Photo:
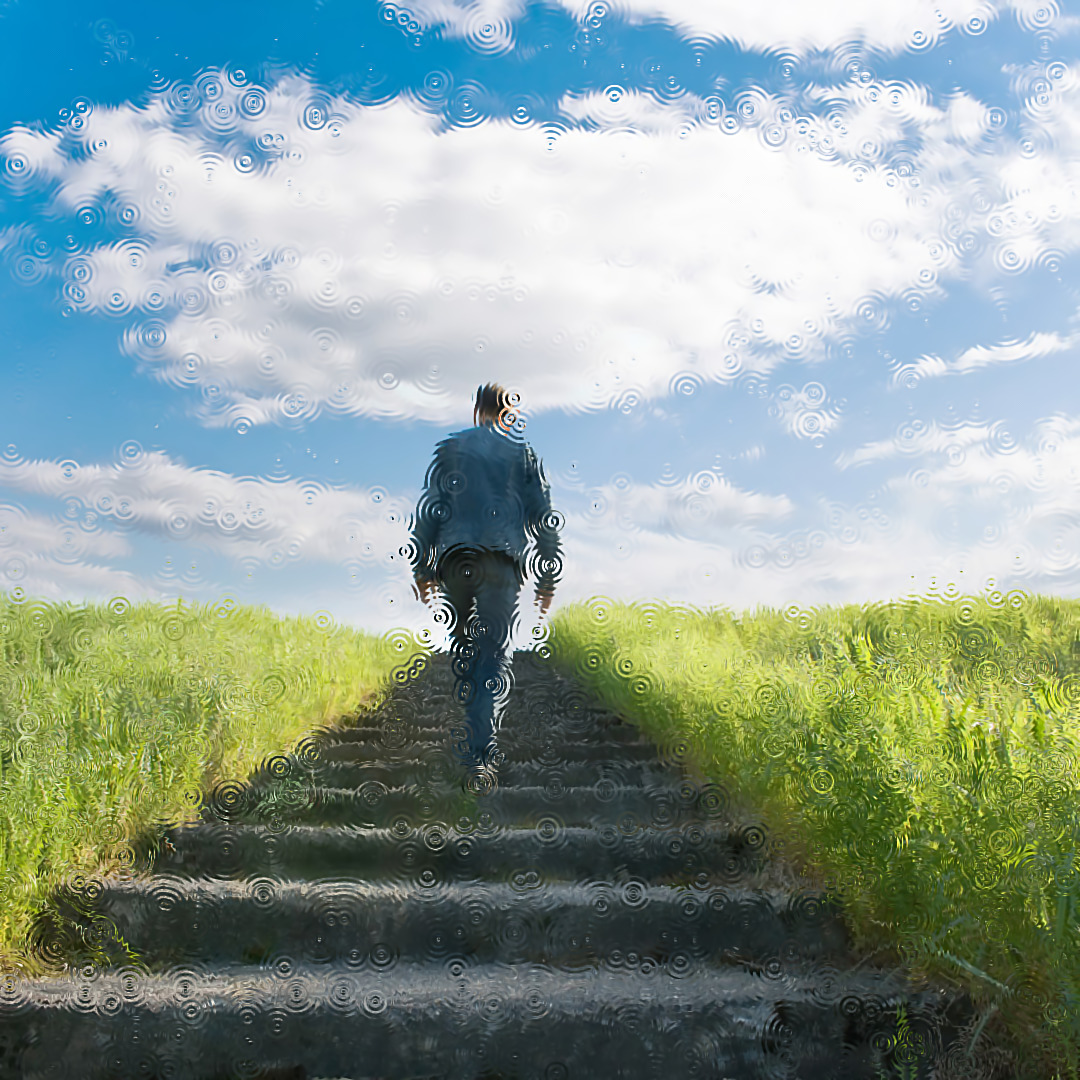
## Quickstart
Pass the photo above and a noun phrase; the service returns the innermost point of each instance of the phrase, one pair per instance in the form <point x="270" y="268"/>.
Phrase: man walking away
<point x="485" y="498"/>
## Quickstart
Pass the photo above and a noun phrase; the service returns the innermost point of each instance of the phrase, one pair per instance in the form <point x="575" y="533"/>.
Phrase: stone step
<point x="555" y="753"/>
<point x="565" y="925"/>
<point x="518" y="716"/>
<point x="375" y="804"/>
<point x="515" y="724"/>
<point x="408" y="851"/>
<point x="419" y="772"/>
<point x="467" y="1020"/>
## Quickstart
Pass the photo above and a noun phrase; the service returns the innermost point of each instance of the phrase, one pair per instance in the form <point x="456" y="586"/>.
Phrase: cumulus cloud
<point x="287" y="252"/>
<point x="1034" y="347"/>
<point x="790" y="24"/>
<point x="704" y="507"/>
<point x="852" y="557"/>
<point x="270" y="521"/>
<point x="90" y="546"/>
<point x="1037" y="476"/>
<point x="57" y="558"/>
<point x="976" y="495"/>
<point x="149" y="526"/>
<point x="975" y="506"/>
<point x="932" y="441"/>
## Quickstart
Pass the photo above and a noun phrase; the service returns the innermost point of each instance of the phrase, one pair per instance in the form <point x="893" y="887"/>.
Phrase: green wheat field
<point x="921" y="757"/>
<point x="117" y="718"/>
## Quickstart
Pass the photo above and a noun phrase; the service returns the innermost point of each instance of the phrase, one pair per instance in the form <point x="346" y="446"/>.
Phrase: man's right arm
<point x="425" y="528"/>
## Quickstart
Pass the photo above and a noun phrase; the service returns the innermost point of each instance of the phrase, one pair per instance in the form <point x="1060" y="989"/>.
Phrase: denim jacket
<point x="486" y="491"/>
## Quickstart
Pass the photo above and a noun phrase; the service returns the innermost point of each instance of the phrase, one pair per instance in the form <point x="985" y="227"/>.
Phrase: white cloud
<point x="790" y="24"/>
<point x="616" y="109"/>
<point x="1035" y="346"/>
<point x="88" y="546"/>
<point x="295" y="252"/>
<point x="976" y="506"/>
<point x="811" y="26"/>
<point x="146" y="526"/>
<point x="1037" y="477"/>
<point x="270" y="521"/>
<point x="371" y="261"/>
<point x="928" y="439"/>
<point x="853" y="558"/>
<point x="377" y="264"/>
<point x="57" y="559"/>
<point x="705" y="507"/>
<point x="976" y="497"/>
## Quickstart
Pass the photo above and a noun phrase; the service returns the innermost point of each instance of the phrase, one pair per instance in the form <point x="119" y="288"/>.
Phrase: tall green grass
<point x="116" y="719"/>
<point x="922" y="757"/>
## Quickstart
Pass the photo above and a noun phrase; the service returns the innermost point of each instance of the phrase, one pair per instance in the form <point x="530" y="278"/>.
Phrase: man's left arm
<point x="543" y="524"/>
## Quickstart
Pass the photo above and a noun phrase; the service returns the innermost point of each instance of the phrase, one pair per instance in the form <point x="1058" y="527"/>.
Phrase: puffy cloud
<point x="928" y="439"/>
<point x="1036" y="477"/>
<point x="273" y="522"/>
<point x="702" y="506"/>
<point x="288" y="252"/>
<point x="148" y="526"/>
<point x="854" y="556"/>
<point x="803" y="27"/>
<point x="629" y="539"/>
<point x="976" y="504"/>
<point x="1034" y="347"/>
<point x="57" y="559"/>
<point x="790" y="24"/>
<point x="977" y="495"/>
<point x="976" y="508"/>
<point x="291" y="252"/>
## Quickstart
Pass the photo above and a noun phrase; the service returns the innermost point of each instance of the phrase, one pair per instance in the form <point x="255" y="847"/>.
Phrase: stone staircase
<point x="353" y="912"/>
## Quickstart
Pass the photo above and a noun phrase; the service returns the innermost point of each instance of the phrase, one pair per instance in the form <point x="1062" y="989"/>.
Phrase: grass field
<point x="116" y="718"/>
<point x="922" y="757"/>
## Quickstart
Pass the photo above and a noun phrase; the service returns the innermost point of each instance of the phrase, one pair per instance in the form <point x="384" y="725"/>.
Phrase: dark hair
<point x="491" y="401"/>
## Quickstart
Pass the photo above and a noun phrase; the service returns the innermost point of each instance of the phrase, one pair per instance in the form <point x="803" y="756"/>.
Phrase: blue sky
<point x="788" y="290"/>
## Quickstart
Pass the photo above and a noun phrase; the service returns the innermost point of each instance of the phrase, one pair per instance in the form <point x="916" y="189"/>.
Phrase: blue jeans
<point x="482" y="589"/>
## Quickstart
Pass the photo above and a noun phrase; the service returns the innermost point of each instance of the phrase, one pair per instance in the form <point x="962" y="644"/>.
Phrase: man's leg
<point x="481" y="589"/>
<point x="490" y="631"/>
<point x="457" y="580"/>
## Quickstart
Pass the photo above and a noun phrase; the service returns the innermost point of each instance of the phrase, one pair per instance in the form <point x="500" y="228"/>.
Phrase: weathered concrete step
<point x="432" y="713"/>
<point x="375" y="804"/>
<point x="394" y="748"/>
<point x="419" y="771"/>
<point x="513" y="727"/>
<point x="538" y="682"/>
<point x="408" y="853"/>
<point x="565" y="925"/>
<point x="460" y="1020"/>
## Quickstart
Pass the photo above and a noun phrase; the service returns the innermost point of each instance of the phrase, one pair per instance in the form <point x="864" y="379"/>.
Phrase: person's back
<point x="485" y="490"/>
<point x="485" y="498"/>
